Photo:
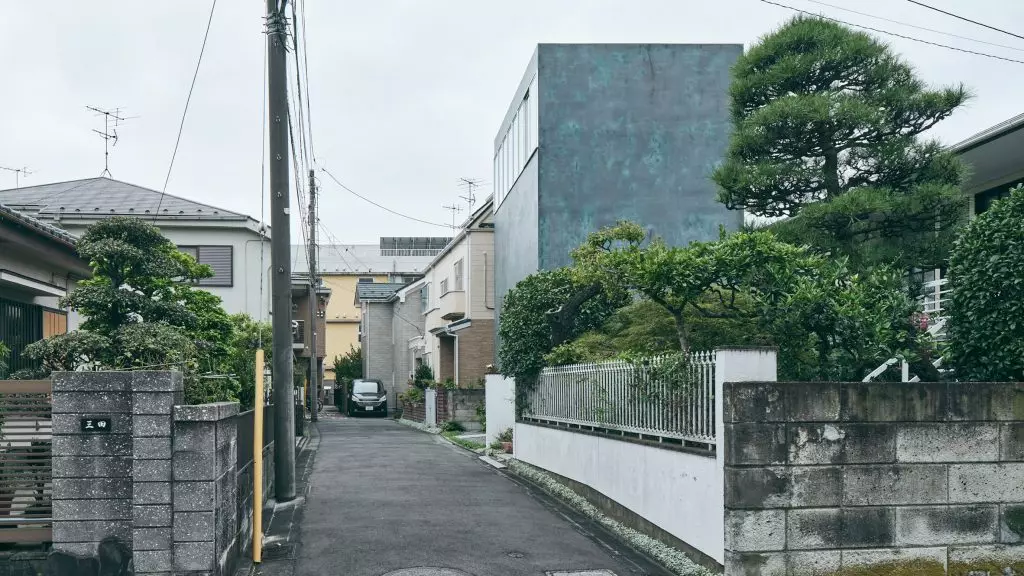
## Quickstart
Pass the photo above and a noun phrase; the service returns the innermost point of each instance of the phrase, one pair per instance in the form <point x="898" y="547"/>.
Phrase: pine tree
<point x="827" y="125"/>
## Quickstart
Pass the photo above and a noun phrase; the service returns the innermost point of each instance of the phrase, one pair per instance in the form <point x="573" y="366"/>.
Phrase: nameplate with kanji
<point x="96" y="425"/>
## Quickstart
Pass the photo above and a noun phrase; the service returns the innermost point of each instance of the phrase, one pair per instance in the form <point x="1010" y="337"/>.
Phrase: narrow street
<point x="388" y="499"/>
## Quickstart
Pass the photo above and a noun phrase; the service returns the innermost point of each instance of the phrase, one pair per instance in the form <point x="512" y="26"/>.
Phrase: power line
<point x="923" y="5"/>
<point x="884" y="19"/>
<point x="822" y="16"/>
<point x="184" y="113"/>
<point x="305" y="68"/>
<point x="385" y="208"/>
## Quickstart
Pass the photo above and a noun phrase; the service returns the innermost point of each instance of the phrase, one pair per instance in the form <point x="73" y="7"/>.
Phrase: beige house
<point x="456" y="299"/>
<point x="343" y="267"/>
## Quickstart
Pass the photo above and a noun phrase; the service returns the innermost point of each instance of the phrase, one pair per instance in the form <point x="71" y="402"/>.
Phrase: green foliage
<point x="452" y="426"/>
<point x="241" y="358"/>
<point x="349" y="366"/>
<point x="527" y="325"/>
<point x="734" y="270"/>
<point x="464" y="442"/>
<point x="423" y="375"/>
<point x="68" y="352"/>
<point x="821" y="112"/>
<point x="481" y="415"/>
<point x="986" y="312"/>
<point x="413" y="395"/>
<point x="142" y="309"/>
<point x="505" y="435"/>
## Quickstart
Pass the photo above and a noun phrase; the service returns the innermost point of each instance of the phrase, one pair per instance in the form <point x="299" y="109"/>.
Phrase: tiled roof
<point x="358" y="259"/>
<point x="98" y="197"/>
<point x="48" y="230"/>
<point x="376" y="291"/>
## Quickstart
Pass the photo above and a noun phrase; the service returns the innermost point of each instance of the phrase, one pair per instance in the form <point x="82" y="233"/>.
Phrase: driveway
<point x="385" y="498"/>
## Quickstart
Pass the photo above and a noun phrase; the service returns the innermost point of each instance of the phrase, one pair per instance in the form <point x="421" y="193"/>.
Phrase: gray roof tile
<point x="96" y="197"/>
<point x="376" y="291"/>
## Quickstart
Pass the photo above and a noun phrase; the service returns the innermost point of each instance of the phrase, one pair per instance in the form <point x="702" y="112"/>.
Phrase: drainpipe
<point x="486" y="291"/>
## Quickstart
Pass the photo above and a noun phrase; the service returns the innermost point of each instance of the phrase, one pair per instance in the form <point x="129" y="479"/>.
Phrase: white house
<point x="229" y="242"/>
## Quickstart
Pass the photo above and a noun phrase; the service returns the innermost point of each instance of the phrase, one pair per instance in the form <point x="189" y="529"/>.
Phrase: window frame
<point x="458" y="272"/>
<point x="214" y="281"/>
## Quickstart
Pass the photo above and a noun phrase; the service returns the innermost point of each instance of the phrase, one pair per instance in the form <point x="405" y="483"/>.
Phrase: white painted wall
<point x="500" y="403"/>
<point x="679" y="492"/>
<point x="244" y="294"/>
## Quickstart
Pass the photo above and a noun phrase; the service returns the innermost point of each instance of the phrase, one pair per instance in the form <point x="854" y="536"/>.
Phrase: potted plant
<point x="505" y="438"/>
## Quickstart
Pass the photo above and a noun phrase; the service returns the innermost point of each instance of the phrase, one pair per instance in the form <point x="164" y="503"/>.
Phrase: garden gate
<point x="25" y="461"/>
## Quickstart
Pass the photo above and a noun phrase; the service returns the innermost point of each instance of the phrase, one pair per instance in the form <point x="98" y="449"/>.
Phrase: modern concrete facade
<point x="600" y="133"/>
<point x="996" y="159"/>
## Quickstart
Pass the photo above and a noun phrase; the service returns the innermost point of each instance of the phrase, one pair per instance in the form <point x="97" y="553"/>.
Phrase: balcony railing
<point x="298" y="334"/>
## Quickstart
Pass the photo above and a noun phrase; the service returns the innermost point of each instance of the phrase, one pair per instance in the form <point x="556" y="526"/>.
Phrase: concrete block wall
<point x="462" y="405"/>
<point x="205" y="488"/>
<point x="874" y="478"/>
<point x="114" y="487"/>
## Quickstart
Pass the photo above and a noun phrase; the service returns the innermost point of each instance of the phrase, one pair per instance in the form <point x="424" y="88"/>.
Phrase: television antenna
<point x="17" y="173"/>
<point x="470" y="184"/>
<point x="454" y="209"/>
<point x="112" y="119"/>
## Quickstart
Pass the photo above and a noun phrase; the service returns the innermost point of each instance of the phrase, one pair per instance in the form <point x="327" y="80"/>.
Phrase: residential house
<point x="601" y="133"/>
<point x="303" y="328"/>
<point x="38" y="266"/>
<point x="444" y="320"/>
<point x="457" y="301"/>
<point x="343" y="266"/>
<point x="391" y="329"/>
<point x="996" y="158"/>
<point x="233" y="244"/>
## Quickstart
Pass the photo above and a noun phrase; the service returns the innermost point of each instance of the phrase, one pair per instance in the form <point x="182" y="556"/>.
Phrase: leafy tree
<point x="527" y="333"/>
<point x="731" y="271"/>
<point x="826" y="129"/>
<point x="68" y="352"/>
<point x="248" y="334"/>
<point x="986" y="312"/>
<point x="349" y="366"/>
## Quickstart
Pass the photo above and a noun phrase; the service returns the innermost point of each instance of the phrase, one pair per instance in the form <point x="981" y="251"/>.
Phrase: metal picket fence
<point x="664" y="397"/>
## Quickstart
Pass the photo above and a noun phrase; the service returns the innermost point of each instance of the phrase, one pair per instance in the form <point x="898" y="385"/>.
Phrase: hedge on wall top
<point x="986" y="331"/>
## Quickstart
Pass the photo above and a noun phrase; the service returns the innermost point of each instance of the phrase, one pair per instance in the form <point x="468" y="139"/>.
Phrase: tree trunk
<point x="831" y="172"/>
<point x="682" y="332"/>
<point x="561" y="319"/>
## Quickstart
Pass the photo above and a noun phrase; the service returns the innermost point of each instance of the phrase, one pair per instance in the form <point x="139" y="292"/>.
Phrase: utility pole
<point x="280" y="253"/>
<point x="17" y="173"/>
<point x="314" y="305"/>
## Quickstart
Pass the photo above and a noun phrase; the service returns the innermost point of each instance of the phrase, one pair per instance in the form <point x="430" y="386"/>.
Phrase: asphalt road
<point x="385" y="498"/>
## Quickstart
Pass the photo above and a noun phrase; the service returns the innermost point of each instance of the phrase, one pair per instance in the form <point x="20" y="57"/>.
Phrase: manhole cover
<point x="427" y="571"/>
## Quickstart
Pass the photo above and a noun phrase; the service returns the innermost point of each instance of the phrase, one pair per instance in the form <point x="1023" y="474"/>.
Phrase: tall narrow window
<point x="425" y="298"/>
<point x="458" y="275"/>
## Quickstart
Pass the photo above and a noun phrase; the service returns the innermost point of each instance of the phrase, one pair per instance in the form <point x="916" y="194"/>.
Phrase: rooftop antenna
<point x="469" y="184"/>
<point x="454" y="209"/>
<point x="109" y="133"/>
<point x="17" y="173"/>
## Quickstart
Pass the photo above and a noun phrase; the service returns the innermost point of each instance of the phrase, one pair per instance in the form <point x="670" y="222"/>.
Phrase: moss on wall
<point x="915" y="567"/>
<point x="1014" y="518"/>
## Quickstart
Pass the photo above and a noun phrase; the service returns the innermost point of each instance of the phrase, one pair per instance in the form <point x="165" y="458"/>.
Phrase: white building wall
<point x="681" y="493"/>
<point x="244" y="293"/>
<point x="500" y="403"/>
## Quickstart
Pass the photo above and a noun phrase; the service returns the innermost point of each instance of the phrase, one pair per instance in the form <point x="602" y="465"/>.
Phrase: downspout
<point x="486" y="291"/>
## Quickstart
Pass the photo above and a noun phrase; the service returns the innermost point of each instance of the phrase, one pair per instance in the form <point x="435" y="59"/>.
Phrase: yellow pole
<point x="257" y="464"/>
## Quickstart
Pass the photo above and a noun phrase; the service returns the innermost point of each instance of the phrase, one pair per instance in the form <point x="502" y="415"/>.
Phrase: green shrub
<point x="986" y="275"/>
<point x="505" y="435"/>
<point x="412" y="396"/>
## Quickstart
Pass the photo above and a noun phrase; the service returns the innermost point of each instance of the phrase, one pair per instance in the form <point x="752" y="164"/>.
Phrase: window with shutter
<point x="218" y="258"/>
<point x="458" y="276"/>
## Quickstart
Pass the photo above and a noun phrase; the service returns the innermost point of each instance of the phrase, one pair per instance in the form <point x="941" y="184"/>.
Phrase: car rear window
<point x="365" y="387"/>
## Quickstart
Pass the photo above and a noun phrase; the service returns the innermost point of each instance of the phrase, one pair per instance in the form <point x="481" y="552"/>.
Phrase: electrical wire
<point x="305" y="68"/>
<point x="884" y="19"/>
<point x="184" y="113"/>
<point x="385" y="208"/>
<point x="923" y="5"/>
<point x="905" y="37"/>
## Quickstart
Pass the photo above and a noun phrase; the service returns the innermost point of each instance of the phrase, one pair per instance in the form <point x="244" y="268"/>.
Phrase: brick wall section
<point x="476" y="351"/>
<point x="874" y="478"/>
<point x="415" y="412"/>
<point x="205" y="488"/>
<point x="446" y="358"/>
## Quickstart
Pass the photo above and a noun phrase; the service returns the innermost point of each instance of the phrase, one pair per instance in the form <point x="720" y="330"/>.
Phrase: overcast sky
<point x="406" y="95"/>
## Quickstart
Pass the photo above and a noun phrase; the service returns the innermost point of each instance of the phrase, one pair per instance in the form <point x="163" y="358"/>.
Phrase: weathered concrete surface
<point x="384" y="497"/>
